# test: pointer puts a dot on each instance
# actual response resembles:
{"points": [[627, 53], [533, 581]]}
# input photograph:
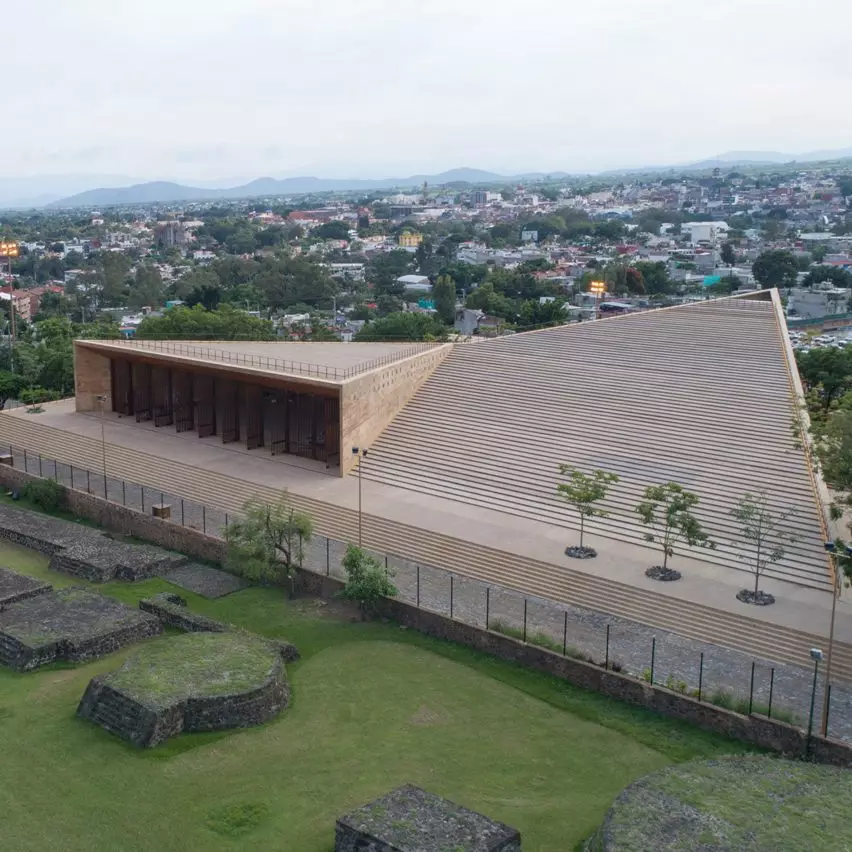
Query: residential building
{"points": [[410, 239]]}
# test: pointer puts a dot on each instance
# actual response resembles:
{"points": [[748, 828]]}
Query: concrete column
{"points": [[92, 377]]}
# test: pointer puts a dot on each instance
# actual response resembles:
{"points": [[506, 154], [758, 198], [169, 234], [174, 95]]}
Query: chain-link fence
{"points": [[796, 694]]}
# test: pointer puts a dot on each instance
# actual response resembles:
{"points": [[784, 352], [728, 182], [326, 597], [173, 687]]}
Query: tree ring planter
{"points": [[581, 552], [755, 598], [665, 575]]}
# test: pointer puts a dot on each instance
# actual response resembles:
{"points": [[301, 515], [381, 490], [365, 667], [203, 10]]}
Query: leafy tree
{"points": [[11, 386], [582, 491], [655, 277], [444, 295], [197, 323], [266, 544], [775, 268], [834, 447], [147, 289], [844, 185], [367, 580], [828, 372], [334, 230], [729, 256], [667, 510], [763, 539], [533, 313], [838, 277], [209, 296], [403, 326]]}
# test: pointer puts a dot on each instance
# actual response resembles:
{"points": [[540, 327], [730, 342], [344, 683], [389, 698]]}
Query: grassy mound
{"points": [[757, 803], [198, 664]]}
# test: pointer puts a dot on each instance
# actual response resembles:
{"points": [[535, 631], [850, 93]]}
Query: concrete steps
{"points": [[701, 395], [117, 714]]}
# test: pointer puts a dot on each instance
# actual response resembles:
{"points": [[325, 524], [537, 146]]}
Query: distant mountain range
{"points": [[67, 191], [165, 192]]}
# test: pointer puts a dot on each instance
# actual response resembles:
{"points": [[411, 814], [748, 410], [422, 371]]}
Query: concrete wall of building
{"points": [[92, 377], [369, 402]]}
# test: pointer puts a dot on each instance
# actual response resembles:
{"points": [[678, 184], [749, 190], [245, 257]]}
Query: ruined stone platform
{"points": [[82, 551], [203, 580], [409, 819], [196, 682], [17, 587], [69, 625]]}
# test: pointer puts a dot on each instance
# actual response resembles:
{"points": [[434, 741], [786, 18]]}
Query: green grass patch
{"points": [[757, 803], [542, 640], [373, 706], [199, 664]]}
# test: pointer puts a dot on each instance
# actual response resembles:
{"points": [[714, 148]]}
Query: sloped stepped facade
{"points": [[702, 395]]}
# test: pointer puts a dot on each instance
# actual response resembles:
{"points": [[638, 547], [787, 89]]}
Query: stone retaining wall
{"points": [[24, 658], [146, 727], [126, 521], [172, 612]]}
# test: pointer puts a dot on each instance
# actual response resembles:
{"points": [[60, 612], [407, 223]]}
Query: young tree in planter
{"points": [[367, 580], [763, 540], [667, 510], [582, 492], [266, 544]]}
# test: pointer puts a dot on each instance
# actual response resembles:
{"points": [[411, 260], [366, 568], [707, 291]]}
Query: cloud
{"points": [[205, 87]]}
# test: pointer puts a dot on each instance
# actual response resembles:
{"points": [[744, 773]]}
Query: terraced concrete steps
{"points": [[776, 643], [700, 395]]}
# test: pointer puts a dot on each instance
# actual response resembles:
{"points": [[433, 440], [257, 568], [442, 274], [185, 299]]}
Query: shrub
{"points": [[367, 581], [47, 494], [33, 396]]}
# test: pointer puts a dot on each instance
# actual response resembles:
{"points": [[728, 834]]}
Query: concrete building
{"points": [[410, 239], [464, 445], [169, 235], [310, 400], [817, 301]]}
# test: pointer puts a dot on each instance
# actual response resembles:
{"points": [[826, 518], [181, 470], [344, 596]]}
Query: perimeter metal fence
{"points": [[710, 673]]}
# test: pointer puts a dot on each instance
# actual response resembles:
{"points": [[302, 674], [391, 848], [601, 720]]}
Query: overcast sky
{"points": [[207, 89]]}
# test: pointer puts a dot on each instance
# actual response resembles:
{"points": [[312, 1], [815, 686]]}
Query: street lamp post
{"points": [[831, 547], [361, 454], [816, 656], [9, 250], [101, 398]]}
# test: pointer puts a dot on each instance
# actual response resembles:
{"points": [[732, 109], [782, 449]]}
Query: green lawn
{"points": [[374, 706]]}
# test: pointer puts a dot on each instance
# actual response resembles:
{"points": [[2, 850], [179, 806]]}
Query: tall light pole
{"points": [[831, 547], [8, 250], [816, 656], [361, 454], [101, 398]]}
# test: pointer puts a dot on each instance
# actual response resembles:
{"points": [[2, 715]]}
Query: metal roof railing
{"points": [[264, 362]]}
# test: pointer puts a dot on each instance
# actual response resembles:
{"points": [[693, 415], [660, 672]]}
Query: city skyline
{"points": [[207, 91]]}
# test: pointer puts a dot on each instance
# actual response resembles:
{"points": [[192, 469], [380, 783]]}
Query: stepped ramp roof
{"points": [[702, 394]]}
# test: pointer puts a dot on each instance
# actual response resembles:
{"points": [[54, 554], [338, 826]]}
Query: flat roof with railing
{"points": [[332, 361]]}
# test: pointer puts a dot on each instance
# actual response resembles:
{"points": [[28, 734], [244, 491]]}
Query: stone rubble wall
{"points": [[146, 727], [24, 658], [171, 610]]}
